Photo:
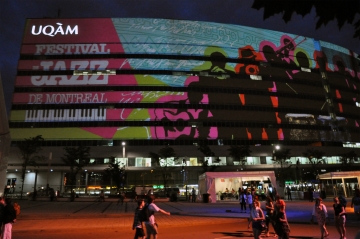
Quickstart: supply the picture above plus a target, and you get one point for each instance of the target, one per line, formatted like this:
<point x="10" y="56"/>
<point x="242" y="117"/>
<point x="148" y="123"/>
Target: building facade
<point x="129" y="86"/>
<point x="4" y="140"/>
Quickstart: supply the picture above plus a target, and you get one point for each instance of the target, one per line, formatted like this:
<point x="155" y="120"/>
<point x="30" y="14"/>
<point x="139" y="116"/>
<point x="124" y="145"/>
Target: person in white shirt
<point x="151" y="225"/>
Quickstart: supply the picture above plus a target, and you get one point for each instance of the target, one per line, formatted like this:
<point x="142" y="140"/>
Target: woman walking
<point x="281" y="223"/>
<point x="320" y="212"/>
<point x="256" y="216"/>
<point x="340" y="217"/>
<point x="269" y="213"/>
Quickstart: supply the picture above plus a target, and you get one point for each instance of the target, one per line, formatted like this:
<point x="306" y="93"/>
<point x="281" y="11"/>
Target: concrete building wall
<point x="4" y="140"/>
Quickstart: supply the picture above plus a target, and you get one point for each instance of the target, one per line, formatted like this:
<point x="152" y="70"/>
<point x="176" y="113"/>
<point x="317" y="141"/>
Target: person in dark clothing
<point x="193" y="195"/>
<point x="51" y="194"/>
<point x="137" y="224"/>
<point x="2" y="205"/>
<point x="9" y="218"/>
<point x="311" y="194"/>
<point x="242" y="199"/>
<point x="340" y="217"/>
<point x="288" y="192"/>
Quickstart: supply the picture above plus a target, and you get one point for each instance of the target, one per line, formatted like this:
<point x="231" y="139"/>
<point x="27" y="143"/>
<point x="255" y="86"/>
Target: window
<point x="142" y="162"/>
<point x="255" y="77"/>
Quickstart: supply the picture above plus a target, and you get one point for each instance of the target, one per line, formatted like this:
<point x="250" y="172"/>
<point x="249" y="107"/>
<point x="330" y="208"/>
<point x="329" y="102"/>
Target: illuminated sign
<point x="50" y="30"/>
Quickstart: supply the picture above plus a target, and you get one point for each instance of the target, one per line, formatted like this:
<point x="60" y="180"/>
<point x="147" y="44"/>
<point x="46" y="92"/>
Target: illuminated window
<point x="255" y="77"/>
<point x="305" y="69"/>
<point x="142" y="162"/>
<point x="94" y="72"/>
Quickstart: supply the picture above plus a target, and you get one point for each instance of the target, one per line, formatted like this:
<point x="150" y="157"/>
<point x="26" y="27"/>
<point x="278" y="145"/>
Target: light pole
<point x="48" y="171"/>
<point x="123" y="151"/>
<point x="126" y="163"/>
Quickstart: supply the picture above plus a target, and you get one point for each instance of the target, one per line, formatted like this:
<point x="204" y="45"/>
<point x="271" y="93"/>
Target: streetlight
<point x="123" y="151"/>
<point x="126" y="163"/>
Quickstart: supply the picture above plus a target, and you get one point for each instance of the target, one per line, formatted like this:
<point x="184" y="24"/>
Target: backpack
<point x="343" y="201"/>
<point x="17" y="208"/>
<point x="145" y="213"/>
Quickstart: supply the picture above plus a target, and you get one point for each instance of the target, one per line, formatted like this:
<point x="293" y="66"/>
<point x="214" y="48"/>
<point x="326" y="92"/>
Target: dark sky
<point x="13" y="14"/>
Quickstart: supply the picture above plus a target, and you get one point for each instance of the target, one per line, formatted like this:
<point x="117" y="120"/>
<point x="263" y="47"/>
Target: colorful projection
<point x="254" y="75"/>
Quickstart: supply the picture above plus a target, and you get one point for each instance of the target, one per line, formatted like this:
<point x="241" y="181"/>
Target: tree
<point x="117" y="174"/>
<point x="347" y="159"/>
<point x="281" y="157"/>
<point x="30" y="149"/>
<point x="205" y="149"/>
<point x="326" y="11"/>
<point x="315" y="158"/>
<point x="161" y="159"/>
<point x="76" y="158"/>
<point x="239" y="153"/>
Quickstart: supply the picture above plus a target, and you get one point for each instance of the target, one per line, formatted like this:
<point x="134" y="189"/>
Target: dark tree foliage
<point x="343" y="11"/>
<point x="315" y="158"/>
<point x="239" y="152"/>
<point x="160" y="159"/>
<point x="205" y="149"/>
<point x="76" y="158"/>
<point x="281" y="157"/>
<point x="29" y="149"/>
<point x="117" y="174"/>
<point x="347" y="160"/>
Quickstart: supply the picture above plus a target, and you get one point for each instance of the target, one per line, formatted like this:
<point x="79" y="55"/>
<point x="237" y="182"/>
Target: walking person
<point x="340" y="217"/>
<point x="2" y="206"/>
<point x="137" y="224"/>
<point x="311" y="194"/>
<point x="249" y="200"/>
<point x="281" y="223"/>
<point x="320" y="212"/>
<point x="277" y="205"/>
<point x="193" y="195"/>
<point x="102" y="196"/>
<point x="242" y="199"/>
<point x="8" y="219"/>
<point x="256" y="217"/>
<point x="288" y="192"/>
<point x="250" y="203"/>
<point x="355" y="203"/>
<point x="269" y="206"/>
<point x="151" y="225"/>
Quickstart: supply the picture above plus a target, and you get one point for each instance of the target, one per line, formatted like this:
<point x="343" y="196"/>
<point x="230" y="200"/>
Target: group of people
<point x="150" y="223"/>
<point x="7" y="217"/>
<point x="276" y="216"/>
<point x="321" y="215"/>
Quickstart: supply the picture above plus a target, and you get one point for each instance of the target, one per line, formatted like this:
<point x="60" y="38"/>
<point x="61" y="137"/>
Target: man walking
<point x="151" y="225"/>
<point x="288" y="192"/>
<point x="8" y="219"/>
<point x="193" y="195"/>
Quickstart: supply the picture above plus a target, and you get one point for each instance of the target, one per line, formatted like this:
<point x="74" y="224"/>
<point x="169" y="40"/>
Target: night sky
<point x="13" y="14"/>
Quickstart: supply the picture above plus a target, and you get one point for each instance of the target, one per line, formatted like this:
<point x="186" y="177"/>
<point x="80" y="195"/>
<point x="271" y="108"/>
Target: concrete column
<point x="61" y="181"/>
<point x="86" y="182"/>
<point x="344" y="188"/>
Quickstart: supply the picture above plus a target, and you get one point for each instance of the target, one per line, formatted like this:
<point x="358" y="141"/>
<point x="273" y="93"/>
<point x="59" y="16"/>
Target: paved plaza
<point x="63" y="215"/>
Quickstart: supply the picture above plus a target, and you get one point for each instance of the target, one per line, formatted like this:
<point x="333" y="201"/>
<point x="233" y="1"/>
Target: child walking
<point x="137" y="223"/>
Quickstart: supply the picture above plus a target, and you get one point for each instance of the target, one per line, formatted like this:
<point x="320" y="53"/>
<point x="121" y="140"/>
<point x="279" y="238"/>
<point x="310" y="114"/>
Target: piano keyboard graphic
<point x="51" y="115"/>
